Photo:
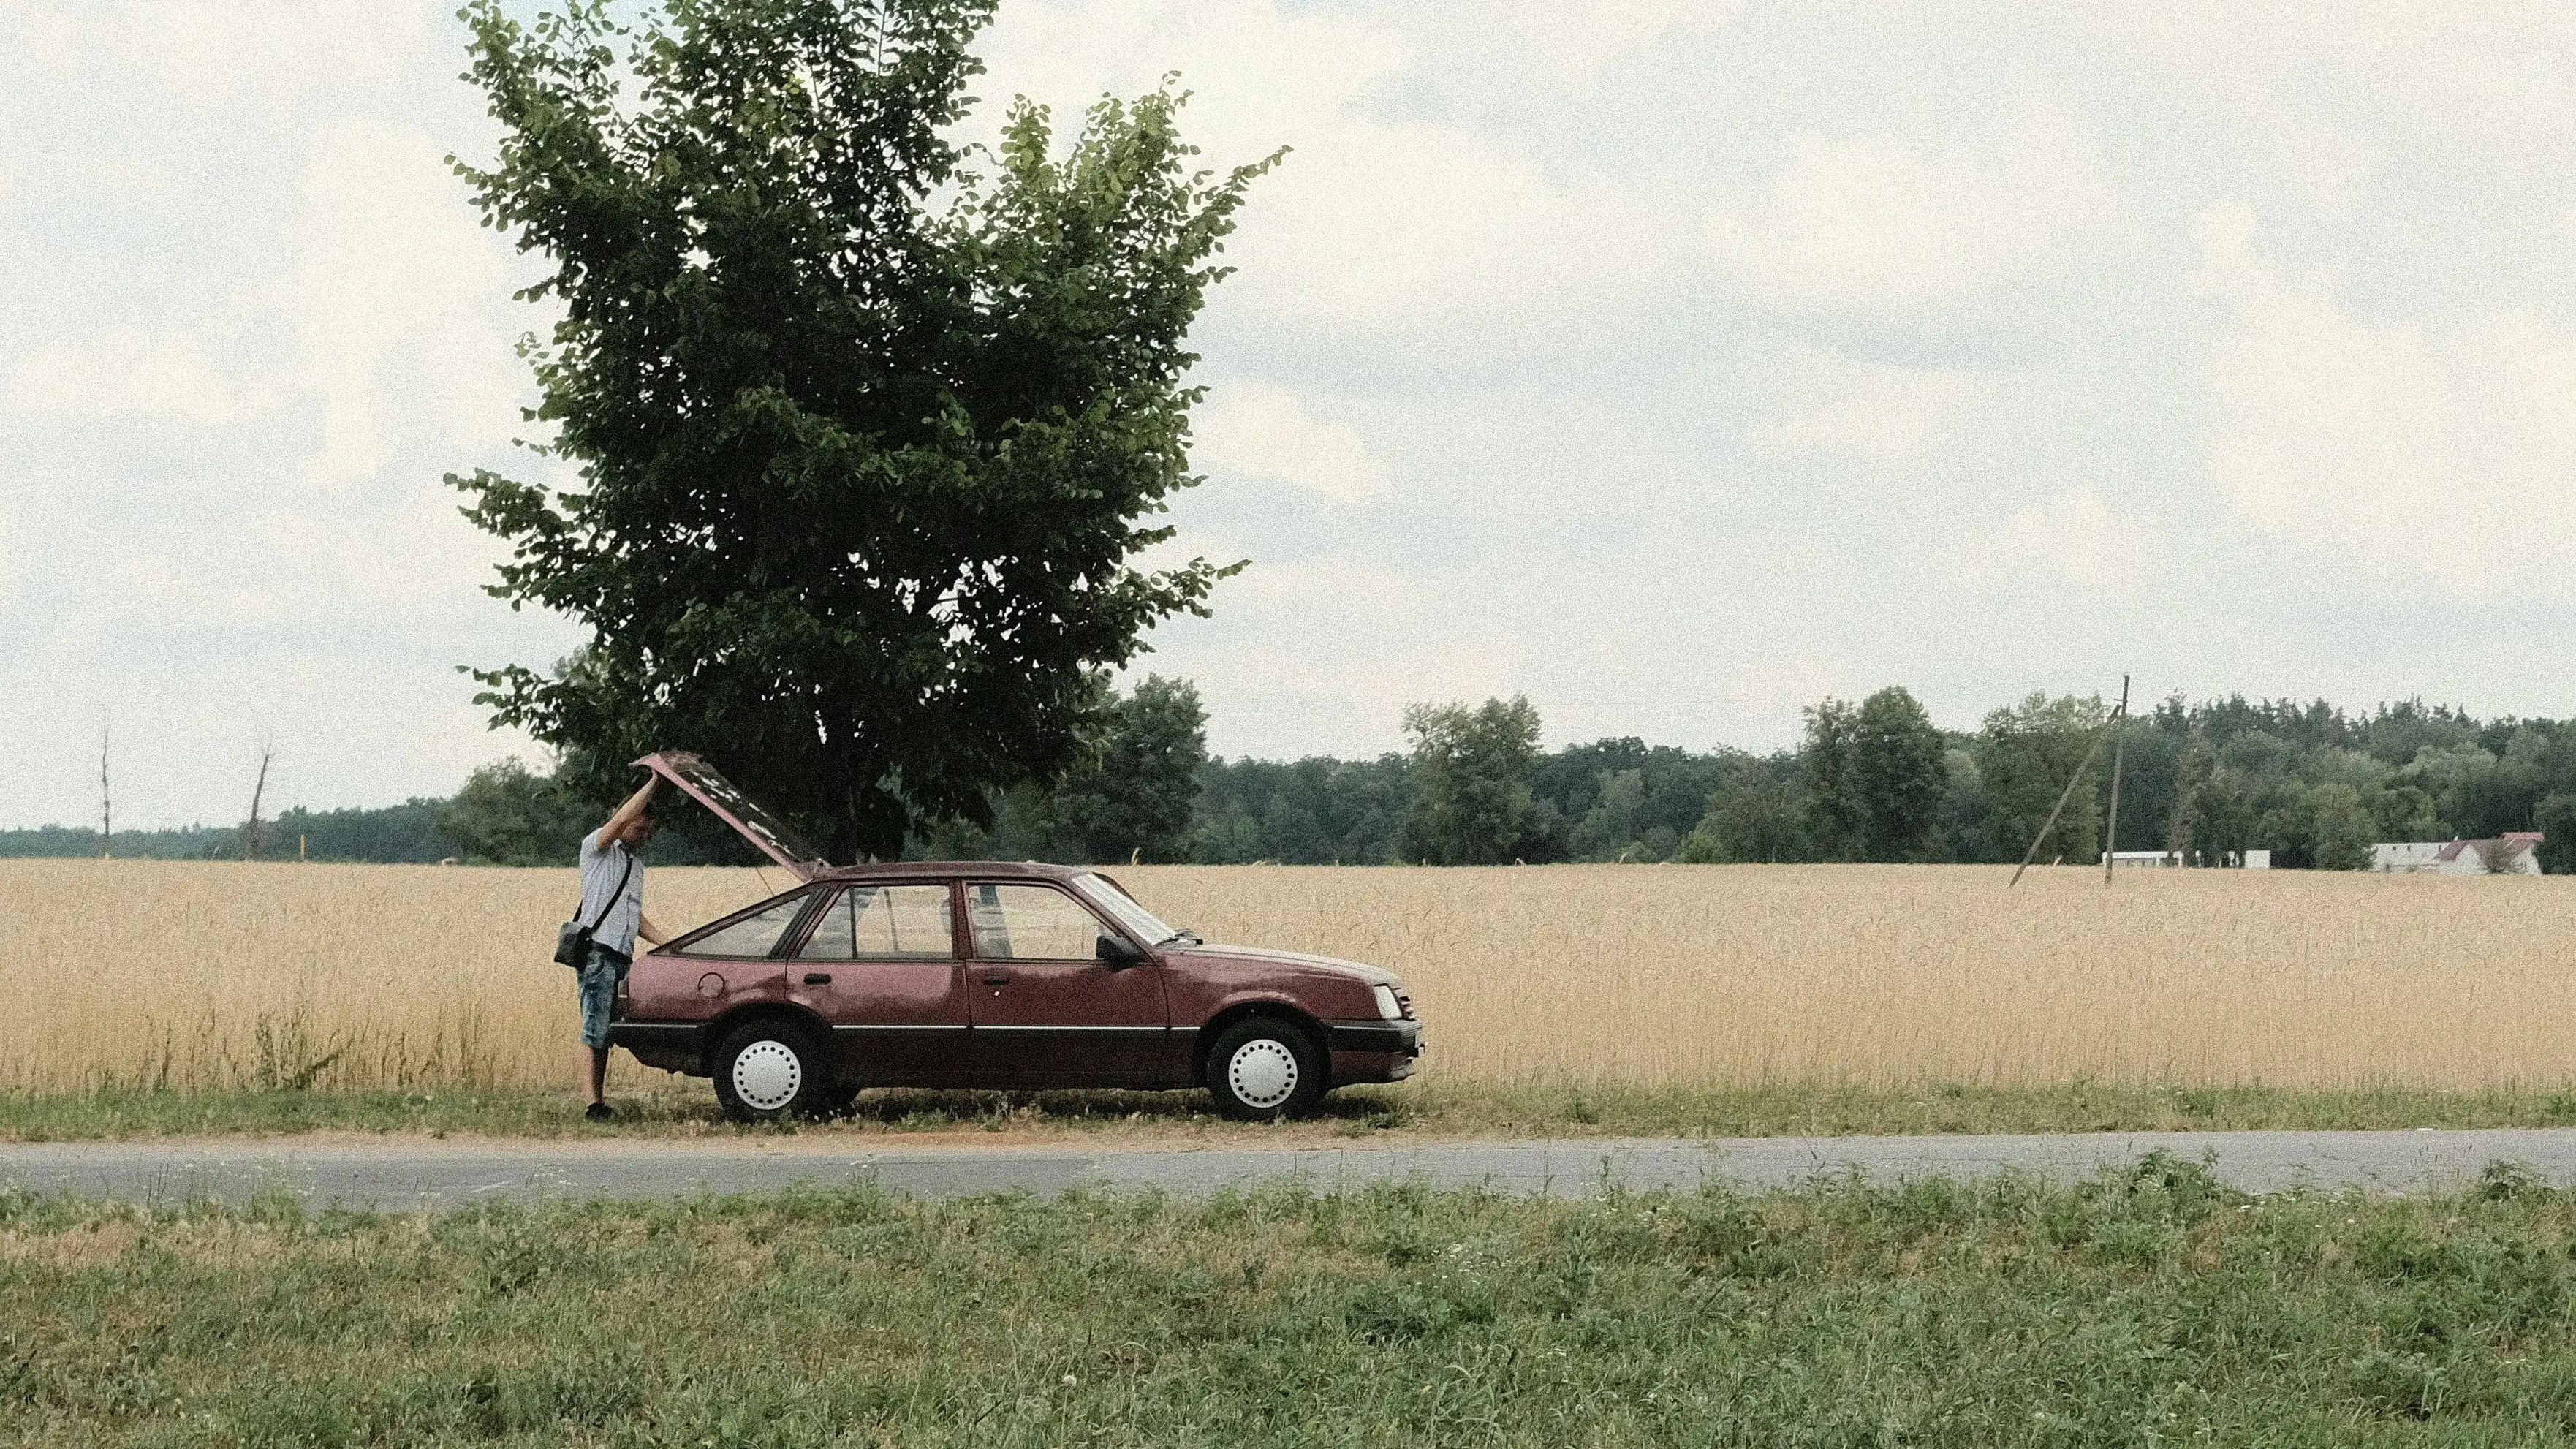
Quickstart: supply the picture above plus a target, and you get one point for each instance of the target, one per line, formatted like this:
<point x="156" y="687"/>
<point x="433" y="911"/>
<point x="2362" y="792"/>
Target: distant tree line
<point x="393" y="834"/>
<point x="1871" y="780"/>
<point x="1876" y="780"/>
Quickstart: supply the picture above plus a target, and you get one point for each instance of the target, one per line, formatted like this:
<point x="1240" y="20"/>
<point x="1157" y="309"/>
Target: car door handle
<point x="818" y="978"/>
<point x="1003" y="980"/>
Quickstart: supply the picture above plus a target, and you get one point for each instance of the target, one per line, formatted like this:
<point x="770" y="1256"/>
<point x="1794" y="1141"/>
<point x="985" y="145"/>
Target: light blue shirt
<point x="599" y="872"/>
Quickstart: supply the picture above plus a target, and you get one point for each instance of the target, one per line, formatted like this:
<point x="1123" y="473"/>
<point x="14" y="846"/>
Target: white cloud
<point x="1383" y="219"/>
<point x="121" y="372"/>
<point x="388" y="264"/>
<point x="1328" y="650"/>
<point x="1862" y="412"/>
<point x="201" y="593"/>
<point x="2404" y="448"/>
<point x="1497" y="233"/>
<point x="46" y="34"/>
<point x="1887" y="223"/>
<point x="2076" y="537"/>
<point x="1557" y="46"/>
<point x="270" y="54"/>
<point x="1261" y="431"/>
<point x="1588" y="37"/>
<point x="1391" y="229"/>
<point x="1787" y="681"/>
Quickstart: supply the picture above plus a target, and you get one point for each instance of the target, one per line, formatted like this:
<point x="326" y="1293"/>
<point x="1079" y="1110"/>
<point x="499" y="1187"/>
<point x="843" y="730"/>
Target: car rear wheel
<point x="1262" y="1068"/>
<point x="770" y="1069"/>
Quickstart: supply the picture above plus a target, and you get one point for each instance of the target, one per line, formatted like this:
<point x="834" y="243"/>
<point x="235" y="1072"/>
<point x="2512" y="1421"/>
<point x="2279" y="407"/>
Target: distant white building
<point x="2512" y="853"/>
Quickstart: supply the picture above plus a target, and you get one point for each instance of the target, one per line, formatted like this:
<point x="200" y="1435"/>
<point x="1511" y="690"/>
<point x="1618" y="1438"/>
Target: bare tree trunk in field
<point x="106" y="801"/>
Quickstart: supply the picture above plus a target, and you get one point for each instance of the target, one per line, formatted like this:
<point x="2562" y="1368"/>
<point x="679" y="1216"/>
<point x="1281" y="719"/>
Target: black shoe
<point x="598" y="1112"/>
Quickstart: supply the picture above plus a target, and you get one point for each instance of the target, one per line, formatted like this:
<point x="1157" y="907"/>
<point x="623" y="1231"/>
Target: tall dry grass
<point x="222" y="974"/>
<point x="191" y="975"/>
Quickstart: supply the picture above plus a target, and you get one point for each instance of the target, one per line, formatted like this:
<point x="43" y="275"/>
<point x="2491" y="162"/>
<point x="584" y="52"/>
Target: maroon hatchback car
<point x="985" y="974"/>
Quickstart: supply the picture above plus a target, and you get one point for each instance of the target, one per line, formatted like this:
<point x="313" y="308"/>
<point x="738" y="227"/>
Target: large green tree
<point x="1472" y="803"/>
<point x="870" y="427"/>
<point x="1880" y="769"/>
<point x="1762" y="813"/>
<point x="2025" y="754"/>
<point x="1136" y="799"/>
<point x="506" y="814"/>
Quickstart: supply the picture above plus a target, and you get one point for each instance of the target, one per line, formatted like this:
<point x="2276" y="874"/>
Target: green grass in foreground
<point x="2147" y="1306"/>
<point x="1420" y="1109"/>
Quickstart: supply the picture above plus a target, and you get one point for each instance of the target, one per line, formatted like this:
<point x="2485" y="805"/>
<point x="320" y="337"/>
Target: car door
<point x="1046" y="1009"/>
<point x="880" y="964"/>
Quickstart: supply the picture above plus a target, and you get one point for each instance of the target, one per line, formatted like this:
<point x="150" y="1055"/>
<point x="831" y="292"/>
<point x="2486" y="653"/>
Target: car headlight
<point x="1386" y="1006"/>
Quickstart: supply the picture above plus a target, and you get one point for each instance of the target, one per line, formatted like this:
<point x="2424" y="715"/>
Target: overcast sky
<point x="1677" y="364"/>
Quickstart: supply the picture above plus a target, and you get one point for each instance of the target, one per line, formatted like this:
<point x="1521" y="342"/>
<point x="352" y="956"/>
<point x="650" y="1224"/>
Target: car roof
<point x="943" y="869"/>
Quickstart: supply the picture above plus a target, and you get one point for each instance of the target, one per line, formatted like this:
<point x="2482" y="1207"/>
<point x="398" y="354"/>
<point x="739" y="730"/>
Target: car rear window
<point x="883" y="923"/>
<point x="754" y="935"/>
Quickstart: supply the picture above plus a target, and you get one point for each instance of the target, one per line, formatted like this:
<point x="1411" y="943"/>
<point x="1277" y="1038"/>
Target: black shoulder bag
<point x="572" y="938"/>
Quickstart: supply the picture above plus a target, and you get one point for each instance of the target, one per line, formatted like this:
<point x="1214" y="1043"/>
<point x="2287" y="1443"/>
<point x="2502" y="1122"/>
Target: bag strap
<point x="618" y="894"/>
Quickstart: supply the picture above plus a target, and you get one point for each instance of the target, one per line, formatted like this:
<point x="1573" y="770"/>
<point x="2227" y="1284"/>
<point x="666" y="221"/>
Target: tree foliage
<point x="1133" y="796"/>
<point x="1472" y="803"/>
<point x="1760" y="815"/>
<point x="870" y="430"/>
<point x="506" y="814"/>
<point x="1314" y="811"/>
<point x="2026" y="754"/>
<point x="1135" y="800"/>
<point x="1880" y="769"/>
<point x="2311" y="784"/>
<point x="1621" y="798"/>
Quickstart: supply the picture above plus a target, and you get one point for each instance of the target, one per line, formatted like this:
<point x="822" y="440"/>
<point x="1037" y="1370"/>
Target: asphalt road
<point x="399" y="1174"/>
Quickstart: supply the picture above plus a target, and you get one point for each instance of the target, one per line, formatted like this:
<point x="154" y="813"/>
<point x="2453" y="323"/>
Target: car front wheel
<point x="771" y="1069"/>
<point x="1262" y="1068"/>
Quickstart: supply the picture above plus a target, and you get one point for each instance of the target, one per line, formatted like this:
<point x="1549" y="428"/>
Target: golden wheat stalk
<point x="193" y="975"/>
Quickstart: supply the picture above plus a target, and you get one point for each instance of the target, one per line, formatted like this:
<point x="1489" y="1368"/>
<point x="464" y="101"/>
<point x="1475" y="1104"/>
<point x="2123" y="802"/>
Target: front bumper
<point x="1398" y="1038"/>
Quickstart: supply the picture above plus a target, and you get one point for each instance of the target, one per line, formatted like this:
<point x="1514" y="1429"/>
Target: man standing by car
<point x="612" y="896"/>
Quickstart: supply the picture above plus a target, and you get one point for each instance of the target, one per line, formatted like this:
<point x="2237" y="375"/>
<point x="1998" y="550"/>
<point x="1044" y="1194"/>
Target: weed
<point x="2143" y="1306"/>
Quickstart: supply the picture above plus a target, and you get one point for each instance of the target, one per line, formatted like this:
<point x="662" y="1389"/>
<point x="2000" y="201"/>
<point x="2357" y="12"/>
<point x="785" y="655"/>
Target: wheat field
<point x="192" y="975"/>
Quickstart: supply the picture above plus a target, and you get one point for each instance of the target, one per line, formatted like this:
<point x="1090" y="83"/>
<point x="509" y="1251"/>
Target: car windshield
<point x="1140" y="922"/>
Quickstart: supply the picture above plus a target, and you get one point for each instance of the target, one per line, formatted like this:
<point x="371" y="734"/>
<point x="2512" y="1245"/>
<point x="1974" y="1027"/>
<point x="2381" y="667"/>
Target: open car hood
<point x="770" y="835"/>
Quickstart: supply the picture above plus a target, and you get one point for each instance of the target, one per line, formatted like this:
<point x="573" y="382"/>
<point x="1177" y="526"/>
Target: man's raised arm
<point x="628" y="813"/>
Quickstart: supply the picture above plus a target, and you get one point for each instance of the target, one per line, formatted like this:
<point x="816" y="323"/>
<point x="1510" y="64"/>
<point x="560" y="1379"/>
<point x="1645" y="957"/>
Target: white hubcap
<point x="1263" y="1073"/>
<point x="766" y="1075"/>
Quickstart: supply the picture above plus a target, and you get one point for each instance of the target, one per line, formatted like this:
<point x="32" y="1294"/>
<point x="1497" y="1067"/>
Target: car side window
<point x="883" y="923"/>
<point x="754" y="935"/>
<point x="1031" y="923"/>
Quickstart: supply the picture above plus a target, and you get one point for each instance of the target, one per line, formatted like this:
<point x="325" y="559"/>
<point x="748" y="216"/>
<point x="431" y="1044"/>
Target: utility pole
<point x="106" y="801"/>
<point x="2119" y="744"/>
<point x="250" y="832"/>
<point x="2068" y="793"/>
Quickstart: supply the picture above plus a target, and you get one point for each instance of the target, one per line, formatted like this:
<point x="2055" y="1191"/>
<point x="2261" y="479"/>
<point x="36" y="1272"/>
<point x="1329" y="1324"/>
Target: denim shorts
<point x="601" y="972"/>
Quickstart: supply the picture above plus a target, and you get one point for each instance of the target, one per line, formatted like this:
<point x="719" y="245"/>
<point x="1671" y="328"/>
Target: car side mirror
<point x="1117" y="952"/>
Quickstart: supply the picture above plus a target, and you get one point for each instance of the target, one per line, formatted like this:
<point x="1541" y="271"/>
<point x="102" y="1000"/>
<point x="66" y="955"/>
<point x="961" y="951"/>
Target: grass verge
<point x="2146" y="1306"/>
<point x="1419" y="1110"/>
